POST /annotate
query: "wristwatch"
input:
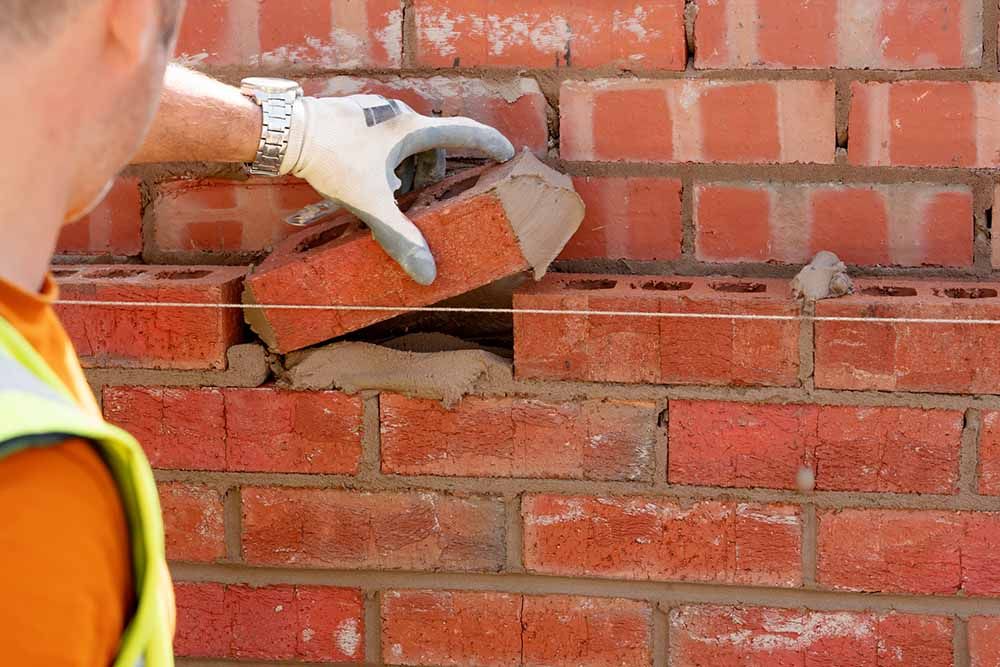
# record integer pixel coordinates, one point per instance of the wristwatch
(276, 98)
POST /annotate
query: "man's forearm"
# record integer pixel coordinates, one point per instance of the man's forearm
(201, 120)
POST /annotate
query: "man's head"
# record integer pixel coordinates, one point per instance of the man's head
(90, 72)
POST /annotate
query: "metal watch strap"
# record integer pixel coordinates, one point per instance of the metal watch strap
(276, 98)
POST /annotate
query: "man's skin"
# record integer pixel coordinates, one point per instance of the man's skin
(77, 110)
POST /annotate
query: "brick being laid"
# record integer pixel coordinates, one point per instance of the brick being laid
(659, 350)
(481, 225)
(954, 358)
(125, 336)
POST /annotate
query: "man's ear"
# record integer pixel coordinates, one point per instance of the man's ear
(133, 28)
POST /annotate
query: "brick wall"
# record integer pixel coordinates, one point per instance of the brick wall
(643, 491)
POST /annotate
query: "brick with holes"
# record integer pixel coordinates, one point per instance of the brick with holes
(745, 122)
(818, 34)
(906, 356)
(481, 225)
(556, 33)
(122, 336)
(662, 350)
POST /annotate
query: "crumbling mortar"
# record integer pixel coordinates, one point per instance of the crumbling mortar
(408, 46)
(968, 482)
(688, 231)
(991, 16)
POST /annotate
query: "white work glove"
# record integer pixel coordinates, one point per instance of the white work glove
(348, 149)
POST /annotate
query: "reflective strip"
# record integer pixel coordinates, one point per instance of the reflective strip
(14, 376)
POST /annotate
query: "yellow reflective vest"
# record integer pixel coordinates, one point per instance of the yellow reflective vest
(37, 410)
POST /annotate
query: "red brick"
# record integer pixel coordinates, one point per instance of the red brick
(557, 33)
(980, 545)
(192, 521)
(719, 635)
(662, 349)
(342, 529)
(924, 124)
(518, 108)
(255, 430)
(451, 628)
(567, 631)
(819, 34)
(717, 240)
(474, 239)
(895, 225)
(203, 216)
(885, 450)
(288, 431)
(662, 539)
(113, 228)
(699, 120)
(989, 454)
(628, 218)
(984, 641)
(515, 437)
(922, 552)
(151, 337)
(906, 356)
(303, 623)
(995, 237)
(472, 628)
(204, 625)
(274, 33)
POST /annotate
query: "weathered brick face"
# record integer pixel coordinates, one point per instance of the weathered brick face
(678, 469)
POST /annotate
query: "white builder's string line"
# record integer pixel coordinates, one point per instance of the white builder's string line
(523, 311)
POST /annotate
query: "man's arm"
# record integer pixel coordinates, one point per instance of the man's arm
(201, 120)
(347, 148)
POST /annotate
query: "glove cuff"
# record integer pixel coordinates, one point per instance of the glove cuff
(296, 137)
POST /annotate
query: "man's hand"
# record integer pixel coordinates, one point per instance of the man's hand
(348, 149)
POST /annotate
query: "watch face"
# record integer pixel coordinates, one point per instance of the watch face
(268, 85)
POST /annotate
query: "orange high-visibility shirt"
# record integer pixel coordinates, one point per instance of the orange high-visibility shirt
(65, 560)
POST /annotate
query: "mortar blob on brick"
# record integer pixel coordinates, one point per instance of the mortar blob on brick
(352, 367)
